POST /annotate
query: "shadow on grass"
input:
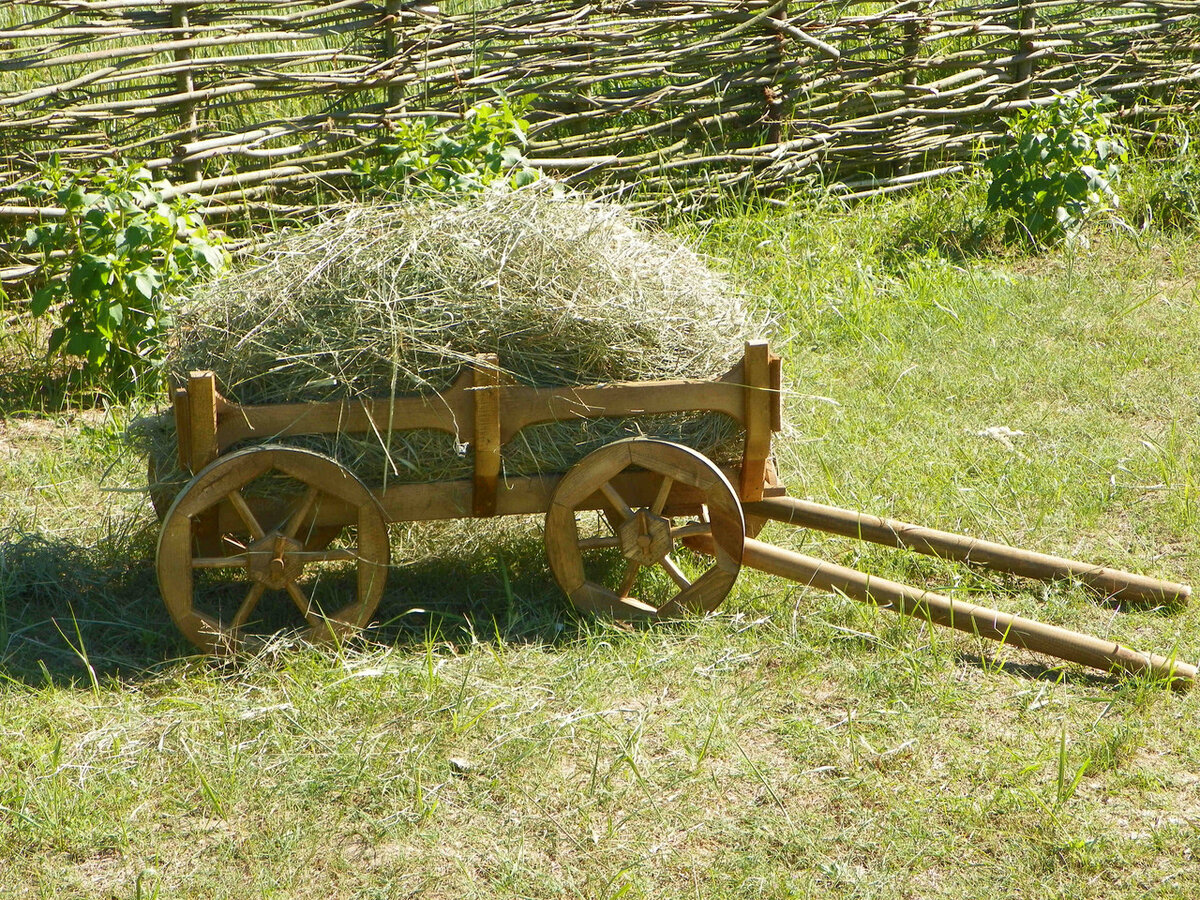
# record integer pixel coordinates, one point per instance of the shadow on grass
(64, 608)
(1030, 671)
(36, 386)
(69, 612)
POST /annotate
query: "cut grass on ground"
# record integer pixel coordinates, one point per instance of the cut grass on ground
(487, 743)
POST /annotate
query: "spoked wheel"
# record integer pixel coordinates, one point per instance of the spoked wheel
(256, 523)
(624, 561)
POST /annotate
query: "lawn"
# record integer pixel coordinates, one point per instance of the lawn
(486, 742)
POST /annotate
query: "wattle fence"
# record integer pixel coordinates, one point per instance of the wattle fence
(257, 104)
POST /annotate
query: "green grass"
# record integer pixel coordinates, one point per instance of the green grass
(488, 743)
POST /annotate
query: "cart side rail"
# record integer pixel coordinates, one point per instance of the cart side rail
(480, 409)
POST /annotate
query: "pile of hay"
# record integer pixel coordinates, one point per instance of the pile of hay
(384, 300)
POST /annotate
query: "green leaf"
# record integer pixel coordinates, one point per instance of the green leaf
(41, 300)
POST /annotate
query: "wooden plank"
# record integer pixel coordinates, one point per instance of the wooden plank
(759, 402)
(451, 411)
(486, 443)
(528, 495)
(533, 406)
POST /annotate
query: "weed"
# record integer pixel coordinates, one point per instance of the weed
(111, 265)
(1061, 169)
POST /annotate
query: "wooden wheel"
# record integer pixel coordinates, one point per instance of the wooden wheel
(266, 508)
(643, 541)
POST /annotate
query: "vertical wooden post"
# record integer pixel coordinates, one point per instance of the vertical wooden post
(912, 45)
(486, 443)
(183, 427)
(203, 448)
(759, 400)
(392, 42)
(773, 93)
(202, 420)
(1023, 70)
(189, 119)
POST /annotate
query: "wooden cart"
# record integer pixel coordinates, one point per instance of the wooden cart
(264, 519)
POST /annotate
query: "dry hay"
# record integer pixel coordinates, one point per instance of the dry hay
(391, 299)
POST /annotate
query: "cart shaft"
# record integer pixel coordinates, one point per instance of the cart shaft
(968, 617)
(1123, 586)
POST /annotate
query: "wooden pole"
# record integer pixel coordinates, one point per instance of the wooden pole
(189, 119)
(1123, 586)
(1023, 71)
(967, 617)
(392, 42)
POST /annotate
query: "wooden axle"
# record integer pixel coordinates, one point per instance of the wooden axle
(940, 610)
(1124, 586)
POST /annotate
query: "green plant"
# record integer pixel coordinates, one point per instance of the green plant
(461, 157)
(1061, 167)
(109, 266)
(1176, 201)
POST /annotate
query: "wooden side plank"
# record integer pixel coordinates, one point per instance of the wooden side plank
(533, 406)
(453, 410)
(529, 495)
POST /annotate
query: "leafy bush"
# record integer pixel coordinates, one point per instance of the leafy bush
(430, 156)
(1062, 167)
(110, 265)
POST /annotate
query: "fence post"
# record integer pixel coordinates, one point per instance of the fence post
(1023, 70)
(392, 42)
(772, 93)
(912, 44)
(189, 119)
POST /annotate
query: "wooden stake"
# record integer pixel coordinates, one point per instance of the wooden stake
(760, 398)
(202, 420)
(486, 394)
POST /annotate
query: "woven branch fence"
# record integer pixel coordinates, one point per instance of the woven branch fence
(251, 103)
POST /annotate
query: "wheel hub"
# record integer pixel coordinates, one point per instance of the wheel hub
(645, 538)
(272, 560)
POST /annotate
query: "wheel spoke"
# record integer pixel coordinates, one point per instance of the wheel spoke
(302, 512)
(252, 597)
(301, 600)
(599, 543)
(238, 502)
(675, 572)
(238, 561)
(627, 581)
(692, 529)
(310, 556)
(617, 500)
(664, 491)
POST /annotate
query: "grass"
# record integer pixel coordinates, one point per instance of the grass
(485, 742)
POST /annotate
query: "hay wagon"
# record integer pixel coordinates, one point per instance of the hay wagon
(262, 519)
